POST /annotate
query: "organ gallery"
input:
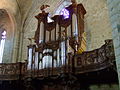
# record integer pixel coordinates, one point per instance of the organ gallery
(57, 58)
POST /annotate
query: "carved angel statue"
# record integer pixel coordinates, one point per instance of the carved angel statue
(63, 33)
(44, 7)
(31, 40)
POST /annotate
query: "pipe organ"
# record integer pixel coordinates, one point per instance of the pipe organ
(57, 42)
(58, 60)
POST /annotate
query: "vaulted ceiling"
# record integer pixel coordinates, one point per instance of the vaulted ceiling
(26, 6)
(23, 6)
(4, 18)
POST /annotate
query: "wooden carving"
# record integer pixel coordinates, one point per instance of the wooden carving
(97, 59)
(89, 61)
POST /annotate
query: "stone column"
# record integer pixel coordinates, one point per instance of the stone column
(114, 13)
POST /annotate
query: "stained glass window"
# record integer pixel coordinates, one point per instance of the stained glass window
(49, 20)
(65, 13)
(3, 34)
(2, 42)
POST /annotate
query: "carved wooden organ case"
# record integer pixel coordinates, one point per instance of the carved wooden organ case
(57, 41)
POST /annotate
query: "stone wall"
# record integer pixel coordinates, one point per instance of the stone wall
(114, 11)
(97, 23)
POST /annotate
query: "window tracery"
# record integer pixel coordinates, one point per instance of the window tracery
(65, 13)
(2, 43)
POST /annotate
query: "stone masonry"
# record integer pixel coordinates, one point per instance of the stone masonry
(114, 11)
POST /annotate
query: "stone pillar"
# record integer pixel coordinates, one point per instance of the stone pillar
(114, 13)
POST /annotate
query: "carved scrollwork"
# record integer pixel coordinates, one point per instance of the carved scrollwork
(12, 69)
(86, 62)
(109, 49)
(96, 59)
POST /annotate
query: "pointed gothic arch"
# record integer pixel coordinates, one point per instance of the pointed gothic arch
(7, 36)
(2, 42)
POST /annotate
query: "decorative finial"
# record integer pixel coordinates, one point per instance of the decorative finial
(44, 7)
(73, 1)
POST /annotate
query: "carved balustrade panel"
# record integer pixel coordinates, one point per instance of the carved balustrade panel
(97, 59)
(12, 70)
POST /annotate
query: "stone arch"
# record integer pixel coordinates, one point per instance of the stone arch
(7, 22)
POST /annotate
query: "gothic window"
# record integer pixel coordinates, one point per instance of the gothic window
(49, 19)
(2, 43)
(65, 13)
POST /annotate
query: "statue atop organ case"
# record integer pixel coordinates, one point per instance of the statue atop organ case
(58, 39)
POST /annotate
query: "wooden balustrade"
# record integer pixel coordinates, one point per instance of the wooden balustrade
(12, 71)
(88, 61)
(97, 59)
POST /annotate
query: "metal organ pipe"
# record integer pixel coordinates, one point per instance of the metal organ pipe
(74, 26)
(56, 39)
(41, 32)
